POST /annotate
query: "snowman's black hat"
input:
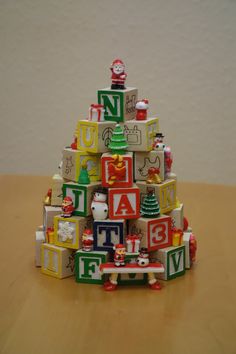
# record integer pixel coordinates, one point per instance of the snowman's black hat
(101, 190)
(159, 135)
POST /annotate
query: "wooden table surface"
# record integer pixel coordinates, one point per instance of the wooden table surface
(195, 313)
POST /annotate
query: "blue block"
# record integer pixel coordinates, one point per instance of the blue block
(108, 233)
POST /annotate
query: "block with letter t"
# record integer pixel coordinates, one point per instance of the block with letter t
(124, 203)
(108, 233)
(156, 232)
(119, 104)
(81, 195)
(87, 266)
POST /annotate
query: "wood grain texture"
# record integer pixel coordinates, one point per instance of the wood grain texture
(192, 314)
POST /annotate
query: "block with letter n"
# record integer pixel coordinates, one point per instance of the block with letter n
(119, 104)
(81, 195)
(173, 259)
(87, 266)
(108, 233)
(156, 232)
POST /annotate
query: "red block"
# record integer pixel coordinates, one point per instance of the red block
(117, 171)
(124, 203)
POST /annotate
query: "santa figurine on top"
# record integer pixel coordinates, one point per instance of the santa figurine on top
(118, 76)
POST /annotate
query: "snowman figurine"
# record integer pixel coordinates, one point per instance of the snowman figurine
(143, 258)
(99, 205)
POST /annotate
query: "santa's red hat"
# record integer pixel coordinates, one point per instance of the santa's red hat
(119, 246)
(117, 61)
(88, 232)
(67, 199)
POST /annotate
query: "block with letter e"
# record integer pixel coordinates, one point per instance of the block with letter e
(108, 233)
(119, 105)
(87, 266)
(156, 232)
(124, 203)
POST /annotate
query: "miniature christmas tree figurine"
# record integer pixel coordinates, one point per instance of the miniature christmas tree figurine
(84, 176)
(118, 143)
(150, 207)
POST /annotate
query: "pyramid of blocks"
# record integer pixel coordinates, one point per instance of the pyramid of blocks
(111, 215)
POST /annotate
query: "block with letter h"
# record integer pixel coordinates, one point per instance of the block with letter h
(87, 266)
(94, 136)
(81, 195)
(108, 233)
(156, 232)
(117, 170)
(119, 104)
(124, 203)
(72, 161)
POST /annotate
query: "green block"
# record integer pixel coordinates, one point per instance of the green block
(119, 104)
(132, 278)
(81, 196)
(87, 266)
(173, 259)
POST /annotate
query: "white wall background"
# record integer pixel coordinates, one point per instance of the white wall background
(180, 54)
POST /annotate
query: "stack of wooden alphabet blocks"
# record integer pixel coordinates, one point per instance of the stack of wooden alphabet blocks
(59, 242)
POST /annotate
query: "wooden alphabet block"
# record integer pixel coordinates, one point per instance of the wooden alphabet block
(156, 232)
(108, 233)
(165, 193)
(140, 134)
(119, 104)
(48, 216)
(144, 160)
(68, 231)
(81, 195)
(116, 173)
(72, 161)
(39, 239)
(132, 278)
(173, 259)
(57, 182)
(57, 261)
(94, 136)
(87, 266)
(124, 203)
(177, 216)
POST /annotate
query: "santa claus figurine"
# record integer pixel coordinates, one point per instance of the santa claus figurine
(87, 240)
(67, 207)
(141, 109)
(119, 256)
(118, 76)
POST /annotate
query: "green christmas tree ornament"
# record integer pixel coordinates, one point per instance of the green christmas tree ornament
(150, 207)
(118, 144)
(84, 176)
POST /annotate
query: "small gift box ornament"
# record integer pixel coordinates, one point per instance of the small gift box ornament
(177, 237)
(96, 113)
(133, 243)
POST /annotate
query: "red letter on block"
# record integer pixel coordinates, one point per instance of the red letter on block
(124, 205)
